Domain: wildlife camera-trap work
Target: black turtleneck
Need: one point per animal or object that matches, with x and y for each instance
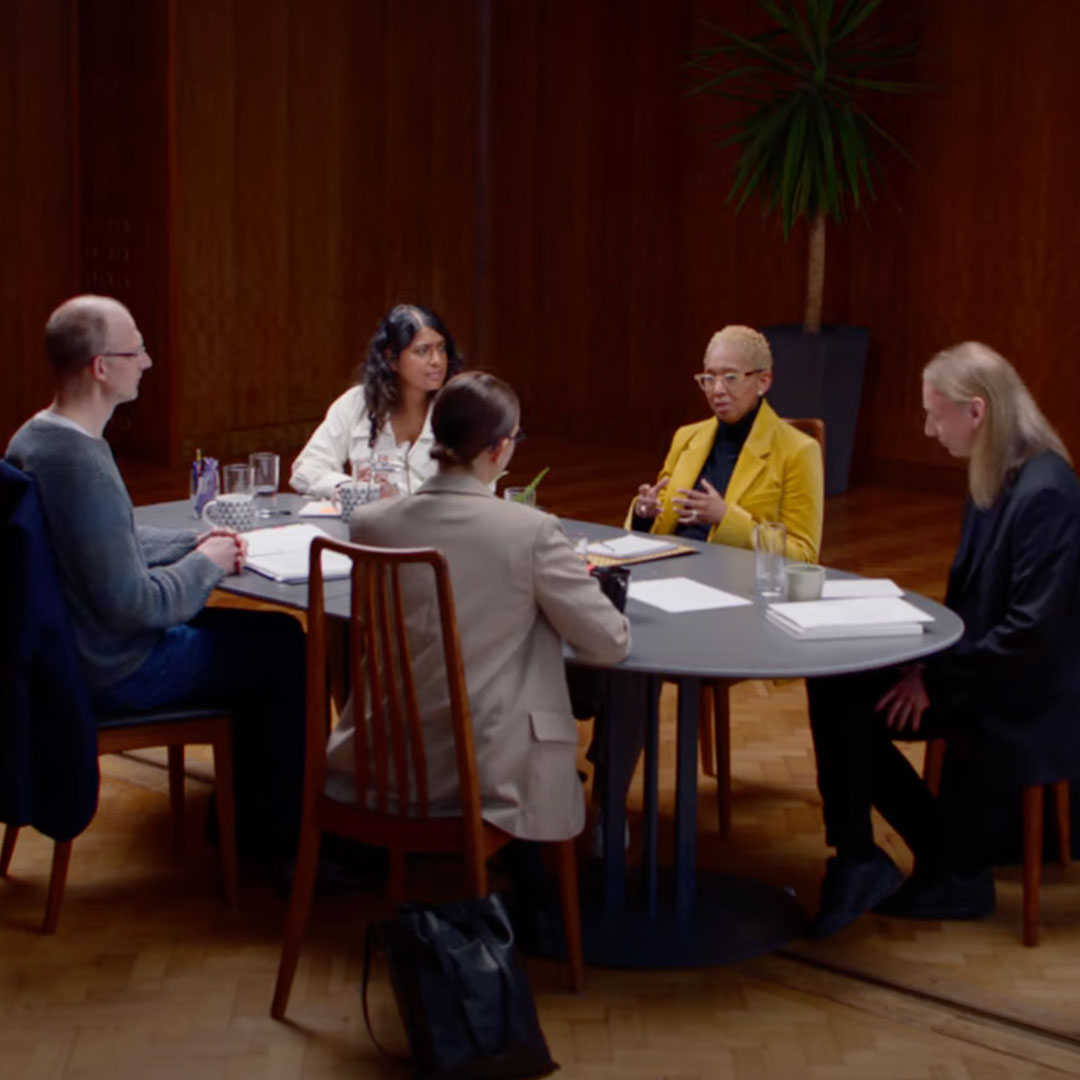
(718, 467)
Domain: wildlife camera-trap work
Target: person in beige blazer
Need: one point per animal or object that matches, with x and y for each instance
(519, 591)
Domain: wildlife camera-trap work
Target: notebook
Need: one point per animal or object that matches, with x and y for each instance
(282, 554)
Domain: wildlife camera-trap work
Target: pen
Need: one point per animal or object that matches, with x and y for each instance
(275, 513)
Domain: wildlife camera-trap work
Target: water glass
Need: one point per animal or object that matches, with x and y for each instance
(236, 480)
(770, 539)
(389, 473)
(265, 472)
(521, 495)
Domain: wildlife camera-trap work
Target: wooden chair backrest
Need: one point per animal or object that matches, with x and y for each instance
(388, 741)
(814, 428)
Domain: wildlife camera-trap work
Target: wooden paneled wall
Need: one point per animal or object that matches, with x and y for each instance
(125, 156)
(38, 220)
(535, 171)
(980, 243)
(325, 172)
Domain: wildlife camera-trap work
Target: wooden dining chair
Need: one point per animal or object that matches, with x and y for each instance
(174, 729)
(1032, 798)
(714, 715)
(388, 749)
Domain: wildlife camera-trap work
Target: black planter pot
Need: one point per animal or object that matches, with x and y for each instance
(821, 375)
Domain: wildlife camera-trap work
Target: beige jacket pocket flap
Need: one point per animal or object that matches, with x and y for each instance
(553, 727)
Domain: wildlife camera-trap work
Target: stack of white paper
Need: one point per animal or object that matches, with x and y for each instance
(846, 588)
(861, 617)
(282, 553)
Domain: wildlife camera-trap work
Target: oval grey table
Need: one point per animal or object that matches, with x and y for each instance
(706, 918)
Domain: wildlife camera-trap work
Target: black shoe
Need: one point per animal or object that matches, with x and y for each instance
(852, 886)
(942, 896)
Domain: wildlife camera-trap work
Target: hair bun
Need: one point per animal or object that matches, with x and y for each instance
(444, 454)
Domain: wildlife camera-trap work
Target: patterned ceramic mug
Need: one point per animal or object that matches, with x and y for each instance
(232, 511)
(347, 497)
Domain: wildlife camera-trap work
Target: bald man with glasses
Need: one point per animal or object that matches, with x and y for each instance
(135, 595)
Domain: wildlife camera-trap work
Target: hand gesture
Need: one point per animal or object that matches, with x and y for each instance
(647, 504)
(706, 506)
(906, 702)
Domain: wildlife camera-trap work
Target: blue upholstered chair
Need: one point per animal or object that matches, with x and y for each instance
(50, 737)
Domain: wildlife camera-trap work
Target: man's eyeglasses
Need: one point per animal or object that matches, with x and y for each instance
(706, 380)
(518, 436)
(130, 355)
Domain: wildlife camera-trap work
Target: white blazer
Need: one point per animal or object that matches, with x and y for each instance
(519, 590)
(339, 446)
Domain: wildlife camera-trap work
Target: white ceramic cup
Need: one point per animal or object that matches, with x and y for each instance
(804, 581)
(234, 510)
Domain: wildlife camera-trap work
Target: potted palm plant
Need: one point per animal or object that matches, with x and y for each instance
(808, 151)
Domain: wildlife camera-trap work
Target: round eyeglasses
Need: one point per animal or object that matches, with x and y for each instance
(707, 380)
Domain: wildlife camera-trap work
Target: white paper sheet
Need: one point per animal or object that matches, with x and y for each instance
(847, 588)
(680, 594)
(281, 553)
(319, 508)
(629, 546)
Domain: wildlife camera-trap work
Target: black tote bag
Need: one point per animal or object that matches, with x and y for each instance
(462, 995)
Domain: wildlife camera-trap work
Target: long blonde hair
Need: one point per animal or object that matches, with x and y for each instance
(1013, 430)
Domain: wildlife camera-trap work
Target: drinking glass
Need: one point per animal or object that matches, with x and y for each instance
(265, 472)
(770, 539)
(388, 470)
(521, 495)
(236, 480)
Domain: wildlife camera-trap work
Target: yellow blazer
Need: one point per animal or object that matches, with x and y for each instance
(778, 477)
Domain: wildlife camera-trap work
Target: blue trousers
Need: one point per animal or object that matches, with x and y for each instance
(252, 663)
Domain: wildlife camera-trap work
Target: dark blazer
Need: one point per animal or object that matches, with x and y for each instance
(1015, 581)
(48, 741)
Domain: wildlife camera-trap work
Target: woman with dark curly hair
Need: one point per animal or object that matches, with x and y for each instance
(409, 358)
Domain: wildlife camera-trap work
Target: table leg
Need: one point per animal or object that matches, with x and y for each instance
(677, 917)
(650, 823)
(686, 798)
(618, 703)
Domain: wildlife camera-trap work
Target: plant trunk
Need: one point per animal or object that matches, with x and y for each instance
(815, 275)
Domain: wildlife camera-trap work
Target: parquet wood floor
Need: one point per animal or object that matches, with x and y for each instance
(150, 977)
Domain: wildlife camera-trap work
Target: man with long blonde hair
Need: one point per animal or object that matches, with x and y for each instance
(1006, 697)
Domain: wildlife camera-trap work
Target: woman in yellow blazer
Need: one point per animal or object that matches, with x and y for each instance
(744, 465)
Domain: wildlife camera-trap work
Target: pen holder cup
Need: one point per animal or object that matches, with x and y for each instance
(614, 583)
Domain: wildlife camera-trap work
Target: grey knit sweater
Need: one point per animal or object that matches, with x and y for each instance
(123, 583)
